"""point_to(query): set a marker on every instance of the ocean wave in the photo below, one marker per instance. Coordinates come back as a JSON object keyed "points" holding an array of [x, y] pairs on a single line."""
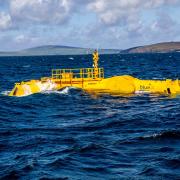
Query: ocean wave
{"points": [[61, 162], [148, 171], [96, 169], [26, 66], [5, 93], [92, 147], [174, 163], [163, 135], [11, 175], [166, 135], [70, 133], [63, 91]]}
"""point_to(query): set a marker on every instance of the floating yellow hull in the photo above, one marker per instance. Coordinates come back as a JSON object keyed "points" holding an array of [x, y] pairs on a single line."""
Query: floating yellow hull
{"points": [[113, 85], [92, 80]]}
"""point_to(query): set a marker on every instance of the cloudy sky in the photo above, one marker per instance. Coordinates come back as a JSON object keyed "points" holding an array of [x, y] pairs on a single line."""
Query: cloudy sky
{"points": [[87, 23]]}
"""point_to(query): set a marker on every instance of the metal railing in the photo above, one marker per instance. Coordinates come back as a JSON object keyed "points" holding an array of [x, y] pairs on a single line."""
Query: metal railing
{"points": [[81, 73]]}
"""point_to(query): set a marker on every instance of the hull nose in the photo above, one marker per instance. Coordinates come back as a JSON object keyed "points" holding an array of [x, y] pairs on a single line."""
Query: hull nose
{"points": [[31, 87]]}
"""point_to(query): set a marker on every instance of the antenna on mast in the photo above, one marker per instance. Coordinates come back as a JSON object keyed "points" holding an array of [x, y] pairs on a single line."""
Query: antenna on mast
{"points": [[95, 63]]}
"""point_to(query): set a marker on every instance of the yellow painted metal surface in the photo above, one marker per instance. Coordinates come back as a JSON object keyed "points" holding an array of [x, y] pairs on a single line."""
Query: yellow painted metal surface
{"points": [[95, 64], [92, 80]]}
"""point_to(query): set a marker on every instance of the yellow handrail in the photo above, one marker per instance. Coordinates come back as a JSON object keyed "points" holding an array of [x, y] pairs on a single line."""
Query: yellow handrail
{"points": [[78, 73]]}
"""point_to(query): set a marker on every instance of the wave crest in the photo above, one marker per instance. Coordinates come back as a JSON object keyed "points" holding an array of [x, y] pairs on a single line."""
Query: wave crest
{"points": [[63, 91], [163, 135], [5, 93]]}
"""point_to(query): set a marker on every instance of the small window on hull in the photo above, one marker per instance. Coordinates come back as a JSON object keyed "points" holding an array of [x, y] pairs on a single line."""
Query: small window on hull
{"points": [[168, 90]]}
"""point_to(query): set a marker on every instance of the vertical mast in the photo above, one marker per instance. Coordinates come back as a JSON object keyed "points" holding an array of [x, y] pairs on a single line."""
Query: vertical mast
{"points": [[95, 63]]}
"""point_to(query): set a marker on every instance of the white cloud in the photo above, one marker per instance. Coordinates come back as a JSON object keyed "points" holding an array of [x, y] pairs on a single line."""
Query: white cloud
{"points": [[22, 39], [111, 12], [5, 21], [110, 23], [41, 11]]}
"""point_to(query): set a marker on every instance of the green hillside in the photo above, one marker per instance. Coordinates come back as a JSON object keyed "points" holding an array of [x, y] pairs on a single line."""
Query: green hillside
{"points": [[155, 48], [57, 50]]}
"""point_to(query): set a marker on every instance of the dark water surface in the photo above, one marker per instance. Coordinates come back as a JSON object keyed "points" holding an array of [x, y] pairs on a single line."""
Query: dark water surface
{"points": [[73, 135]]}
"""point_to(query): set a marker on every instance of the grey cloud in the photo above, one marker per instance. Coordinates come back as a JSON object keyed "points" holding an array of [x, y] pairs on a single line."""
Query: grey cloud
{"points": [[5, 21], [41, 11], [115, 11], [117, 22]]}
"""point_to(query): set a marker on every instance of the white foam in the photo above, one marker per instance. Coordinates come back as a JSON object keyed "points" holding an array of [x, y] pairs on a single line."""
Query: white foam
{"points": [[63, 91], [142, 92], [151, 135], [5, 93], [26, 66], [47, 86]]}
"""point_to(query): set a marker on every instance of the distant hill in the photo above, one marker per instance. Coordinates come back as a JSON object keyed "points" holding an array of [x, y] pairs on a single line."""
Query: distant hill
{"points": [[155, 48], [164, 47], [57, 50]]}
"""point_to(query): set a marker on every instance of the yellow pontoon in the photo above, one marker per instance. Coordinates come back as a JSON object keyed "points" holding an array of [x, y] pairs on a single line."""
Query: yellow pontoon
{"points": [[92, 80]]}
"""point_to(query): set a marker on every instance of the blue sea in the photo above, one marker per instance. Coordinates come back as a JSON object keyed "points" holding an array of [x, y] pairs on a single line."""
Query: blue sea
{"points": [[70, 134]]}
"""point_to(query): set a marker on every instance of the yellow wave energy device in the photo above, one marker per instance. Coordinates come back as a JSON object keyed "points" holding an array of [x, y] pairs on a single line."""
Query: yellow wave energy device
{"points": [[92, 80]]}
